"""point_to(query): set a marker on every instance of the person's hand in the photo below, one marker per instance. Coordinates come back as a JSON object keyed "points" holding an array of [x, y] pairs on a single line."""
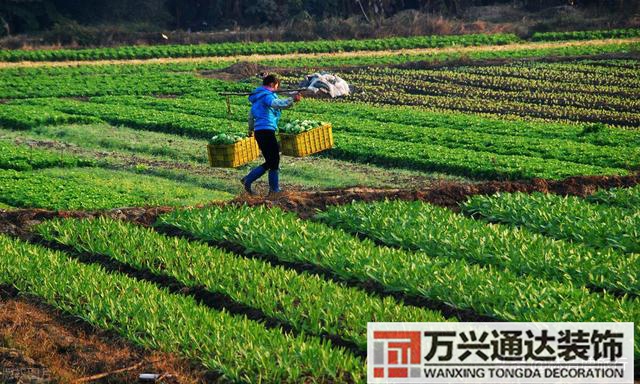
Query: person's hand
{"points": [[297, 97]]}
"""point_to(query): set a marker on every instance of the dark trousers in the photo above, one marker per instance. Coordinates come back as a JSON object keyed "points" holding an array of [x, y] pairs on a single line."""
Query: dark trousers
{"points": [[269, 147]]}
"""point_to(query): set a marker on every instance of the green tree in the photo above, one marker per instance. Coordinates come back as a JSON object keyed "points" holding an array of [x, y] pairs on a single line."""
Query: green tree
{"points": [[17, 16]]}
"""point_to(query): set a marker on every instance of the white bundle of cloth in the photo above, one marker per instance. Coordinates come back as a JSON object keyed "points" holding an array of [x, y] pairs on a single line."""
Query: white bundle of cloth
{"points": [[326, 83]]}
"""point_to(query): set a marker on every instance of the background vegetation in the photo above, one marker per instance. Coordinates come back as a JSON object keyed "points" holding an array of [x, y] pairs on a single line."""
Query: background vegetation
{"points": [[113, 22]]}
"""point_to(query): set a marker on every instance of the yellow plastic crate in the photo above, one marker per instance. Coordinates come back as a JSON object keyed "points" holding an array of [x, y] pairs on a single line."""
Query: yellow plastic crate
{"points": [[233, 155], [307, 143]]}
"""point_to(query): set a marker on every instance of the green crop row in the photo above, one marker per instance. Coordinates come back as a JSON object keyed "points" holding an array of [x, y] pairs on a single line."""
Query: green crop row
{"points": [[113, 142], [120, 69], [581, 74], [586, 35], [623, 197], [146, 118], [95, 188], [244, 48], [441, 233], [40, 74], [208, 106], [599, 64], [22, 158], [306, 302], [175, 78], [144, 82], [457, 161], [243, 350], [27, 117], [436, 148], [568, 217], [146, 69], [486, 290], [130, 52]]}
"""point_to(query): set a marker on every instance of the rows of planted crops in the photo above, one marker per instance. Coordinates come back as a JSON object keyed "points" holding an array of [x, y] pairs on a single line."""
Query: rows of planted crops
{"points": [[425, 139], [504, 270], [560, 91], [244, 48], [240, 349], [512, 52], [320, 46], [174, 99], [305, 303], [442, 146]]}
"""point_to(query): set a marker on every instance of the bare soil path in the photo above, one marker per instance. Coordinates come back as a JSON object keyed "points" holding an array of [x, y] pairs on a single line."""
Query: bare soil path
{"points": [[38, 344], [307, 203]]}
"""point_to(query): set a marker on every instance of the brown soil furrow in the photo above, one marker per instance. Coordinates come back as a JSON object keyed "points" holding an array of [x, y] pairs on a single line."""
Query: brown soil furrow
{"points": [[307, 203], [17, 222], [15, 367], [67, 349], [443, 193]]}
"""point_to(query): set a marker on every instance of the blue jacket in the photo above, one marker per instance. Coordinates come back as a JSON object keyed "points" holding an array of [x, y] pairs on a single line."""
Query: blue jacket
{"points": [[265, 108]]}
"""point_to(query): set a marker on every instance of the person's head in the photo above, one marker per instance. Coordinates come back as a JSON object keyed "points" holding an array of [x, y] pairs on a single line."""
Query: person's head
{"points": [[271, 80]]}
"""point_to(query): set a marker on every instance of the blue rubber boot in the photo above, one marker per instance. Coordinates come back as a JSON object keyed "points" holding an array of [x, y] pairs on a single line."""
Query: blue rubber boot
{"points": [[274, 181], [251, 177]]}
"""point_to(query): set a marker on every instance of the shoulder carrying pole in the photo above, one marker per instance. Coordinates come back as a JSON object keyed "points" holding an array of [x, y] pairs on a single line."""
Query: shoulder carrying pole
{"points": [[249, 93]]}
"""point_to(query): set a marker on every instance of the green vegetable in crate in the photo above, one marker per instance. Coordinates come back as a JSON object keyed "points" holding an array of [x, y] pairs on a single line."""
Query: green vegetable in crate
{"points": [[230, 150], [226, 138], [299, 126]]}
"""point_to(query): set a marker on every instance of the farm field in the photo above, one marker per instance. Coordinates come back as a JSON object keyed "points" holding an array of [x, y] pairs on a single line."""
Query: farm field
{"points": [[473, 178]]}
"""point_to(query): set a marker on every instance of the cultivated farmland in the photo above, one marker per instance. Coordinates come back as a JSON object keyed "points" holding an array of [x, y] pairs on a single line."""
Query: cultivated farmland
{"points": [[473, 178]]}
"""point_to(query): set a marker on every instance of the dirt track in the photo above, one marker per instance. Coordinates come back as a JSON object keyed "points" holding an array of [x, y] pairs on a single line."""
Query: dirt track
{"points": [[254, 58], [48, 346], [442, 193], [307, 203]]}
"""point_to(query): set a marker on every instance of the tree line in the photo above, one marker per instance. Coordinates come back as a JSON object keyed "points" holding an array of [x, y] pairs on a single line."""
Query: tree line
{"points": [[23, 16]]}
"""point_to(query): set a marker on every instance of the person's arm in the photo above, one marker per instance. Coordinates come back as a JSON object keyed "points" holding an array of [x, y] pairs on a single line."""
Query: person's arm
{"points": [[282, 103], [285, 103]]}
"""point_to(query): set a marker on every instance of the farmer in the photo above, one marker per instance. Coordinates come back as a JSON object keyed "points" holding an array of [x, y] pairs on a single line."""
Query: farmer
{"points": [[263, 122]]}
